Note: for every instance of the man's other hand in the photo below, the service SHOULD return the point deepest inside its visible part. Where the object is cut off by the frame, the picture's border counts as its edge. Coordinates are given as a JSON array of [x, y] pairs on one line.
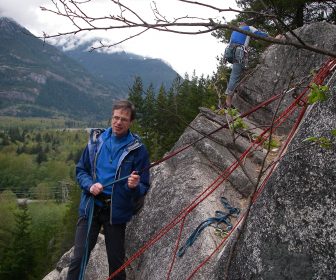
[[133, 180], [96, 188]]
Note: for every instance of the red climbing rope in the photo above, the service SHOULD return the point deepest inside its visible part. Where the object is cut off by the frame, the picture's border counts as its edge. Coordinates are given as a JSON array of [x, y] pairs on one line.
[[211, 188], [319, 78], [174, 153], [181, 215], [329, 66], [245, 213]]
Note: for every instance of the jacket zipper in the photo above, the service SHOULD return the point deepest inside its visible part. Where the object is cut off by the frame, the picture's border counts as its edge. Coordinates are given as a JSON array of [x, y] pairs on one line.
[[118, 176], [134, 146]]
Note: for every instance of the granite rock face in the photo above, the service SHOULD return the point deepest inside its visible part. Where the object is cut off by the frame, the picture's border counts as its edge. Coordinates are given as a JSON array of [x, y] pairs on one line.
[[289, 233], [97, 267], [176, 183], [290, 230]]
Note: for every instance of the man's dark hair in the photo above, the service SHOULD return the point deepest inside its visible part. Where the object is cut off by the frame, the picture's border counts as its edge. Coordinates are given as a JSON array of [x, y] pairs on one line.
[[125, 105]]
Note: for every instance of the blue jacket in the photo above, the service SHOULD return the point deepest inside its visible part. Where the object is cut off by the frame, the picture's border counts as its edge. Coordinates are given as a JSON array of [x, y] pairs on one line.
[[134, 158], [242, 39]]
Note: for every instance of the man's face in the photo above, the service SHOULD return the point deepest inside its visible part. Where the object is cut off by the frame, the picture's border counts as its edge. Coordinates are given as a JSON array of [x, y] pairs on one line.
[[121, 122]]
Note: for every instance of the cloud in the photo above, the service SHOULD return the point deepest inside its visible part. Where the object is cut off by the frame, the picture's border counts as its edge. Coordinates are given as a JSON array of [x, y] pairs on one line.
[[185, 53], [24, 12]]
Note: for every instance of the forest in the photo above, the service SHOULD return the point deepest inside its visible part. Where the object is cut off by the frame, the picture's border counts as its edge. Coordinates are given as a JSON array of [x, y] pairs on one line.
[[37, 169]]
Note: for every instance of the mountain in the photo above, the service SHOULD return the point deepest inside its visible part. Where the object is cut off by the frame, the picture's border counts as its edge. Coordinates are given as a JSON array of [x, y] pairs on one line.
[[36, 79], [121, 68]]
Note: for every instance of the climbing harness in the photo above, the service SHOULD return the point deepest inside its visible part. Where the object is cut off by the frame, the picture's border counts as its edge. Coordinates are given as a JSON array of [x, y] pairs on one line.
[[235, 53], [220, 217]]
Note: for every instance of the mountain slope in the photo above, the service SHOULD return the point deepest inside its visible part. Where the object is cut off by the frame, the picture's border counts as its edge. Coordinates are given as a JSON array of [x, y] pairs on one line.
[[121, 68], [36, 79]]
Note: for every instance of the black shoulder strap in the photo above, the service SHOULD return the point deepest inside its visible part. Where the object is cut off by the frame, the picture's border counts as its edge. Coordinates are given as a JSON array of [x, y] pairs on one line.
[[95, 133]]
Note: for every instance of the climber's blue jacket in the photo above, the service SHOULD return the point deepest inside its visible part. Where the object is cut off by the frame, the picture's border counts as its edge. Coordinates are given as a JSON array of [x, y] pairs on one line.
[[133, 157], [242, 39]]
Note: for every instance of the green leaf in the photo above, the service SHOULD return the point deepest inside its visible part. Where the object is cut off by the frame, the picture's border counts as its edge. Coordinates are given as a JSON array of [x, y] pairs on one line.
[[310, 139], [233, 112], [325, 142], [317, 93], [271, 144]]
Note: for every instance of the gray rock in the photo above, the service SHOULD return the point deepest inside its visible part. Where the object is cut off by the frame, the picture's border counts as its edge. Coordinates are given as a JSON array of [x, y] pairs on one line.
[[97, 267], [289, 232], [175, 184]]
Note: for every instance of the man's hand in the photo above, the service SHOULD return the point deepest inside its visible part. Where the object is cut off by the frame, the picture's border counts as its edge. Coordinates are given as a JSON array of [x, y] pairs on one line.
[[133, 180], [280, 37], [96, 188]]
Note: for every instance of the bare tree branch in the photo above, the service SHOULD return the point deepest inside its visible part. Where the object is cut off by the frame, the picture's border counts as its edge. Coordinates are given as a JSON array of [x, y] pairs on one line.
[[103, 46], [185, 25]]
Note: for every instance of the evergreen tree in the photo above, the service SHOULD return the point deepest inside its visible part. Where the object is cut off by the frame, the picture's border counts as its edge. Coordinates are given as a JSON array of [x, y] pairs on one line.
[[47, 138], [165, 115], [46, 149], [15, 134], [19, 150], [18, 256], [149, 109], [4, 139], [8, 206], [65, 238], [174, 122], [136, 97], [47, 223], [185, 100], [36, 149], [41, 157], [294, 13], [163, 119], [162, 114], [38, 137]]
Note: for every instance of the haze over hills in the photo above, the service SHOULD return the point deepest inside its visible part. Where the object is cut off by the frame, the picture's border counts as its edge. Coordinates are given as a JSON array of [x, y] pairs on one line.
[[39, 80], [121, 68], [36, 79]]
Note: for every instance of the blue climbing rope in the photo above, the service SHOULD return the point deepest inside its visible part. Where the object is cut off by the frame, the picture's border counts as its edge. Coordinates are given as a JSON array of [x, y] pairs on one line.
[[90, 217], [220, 217], [86, 248]]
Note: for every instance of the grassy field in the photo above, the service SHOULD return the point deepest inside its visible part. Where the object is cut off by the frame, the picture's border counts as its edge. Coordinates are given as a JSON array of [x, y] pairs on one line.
[[43, 123]]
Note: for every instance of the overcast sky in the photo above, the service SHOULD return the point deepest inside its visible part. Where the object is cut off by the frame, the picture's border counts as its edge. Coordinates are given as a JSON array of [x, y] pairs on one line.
[[185, 53]]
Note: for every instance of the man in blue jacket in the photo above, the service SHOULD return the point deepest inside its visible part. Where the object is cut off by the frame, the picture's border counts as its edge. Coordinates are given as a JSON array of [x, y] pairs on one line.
[[237, 47], [110, 156]]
